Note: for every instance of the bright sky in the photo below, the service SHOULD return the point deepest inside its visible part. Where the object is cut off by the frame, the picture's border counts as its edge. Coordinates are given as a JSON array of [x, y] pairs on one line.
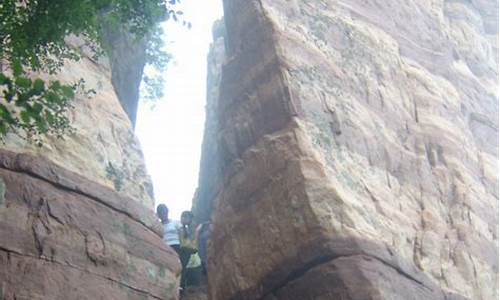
[[171, 133]]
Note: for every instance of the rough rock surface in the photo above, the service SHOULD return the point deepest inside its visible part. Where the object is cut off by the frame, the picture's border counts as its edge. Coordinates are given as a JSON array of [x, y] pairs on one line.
[[210, 176], [76, 216], [357, 146], [66, 237], [104, 147], [126, 77]]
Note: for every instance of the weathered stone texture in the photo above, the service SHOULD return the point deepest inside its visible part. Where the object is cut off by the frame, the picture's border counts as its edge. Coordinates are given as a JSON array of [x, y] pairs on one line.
[[65, 237], [126, 77], [358, 148], [76, 215], [103, 147], [210, 172]]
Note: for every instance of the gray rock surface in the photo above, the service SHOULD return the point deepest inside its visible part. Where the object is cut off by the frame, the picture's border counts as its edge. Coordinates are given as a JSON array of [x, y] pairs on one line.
[[210, 175], [127, 58]]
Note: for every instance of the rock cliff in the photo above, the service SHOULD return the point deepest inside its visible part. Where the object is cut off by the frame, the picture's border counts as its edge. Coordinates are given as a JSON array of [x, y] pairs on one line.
[[210, 176], [76, 215], [354, 151]]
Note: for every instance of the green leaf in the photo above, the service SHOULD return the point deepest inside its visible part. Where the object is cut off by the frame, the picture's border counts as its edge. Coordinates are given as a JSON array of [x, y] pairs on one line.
[[51, 97], [17, 68], [38, 86], [25, 117], [68, 91], [5, 114], [3, 128], [23, 82], [55, 85], [34, 39], [3, 79], [22, 99], [50, 118], [37, 108], [40, 124]]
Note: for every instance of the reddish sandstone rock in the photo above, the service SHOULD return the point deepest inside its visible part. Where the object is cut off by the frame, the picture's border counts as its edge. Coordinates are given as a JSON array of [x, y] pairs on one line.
[[357, 147], [65, 237], [76, 215]]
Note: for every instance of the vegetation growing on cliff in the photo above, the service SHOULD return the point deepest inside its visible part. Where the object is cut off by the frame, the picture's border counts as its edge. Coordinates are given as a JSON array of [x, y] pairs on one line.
[[32, 39]]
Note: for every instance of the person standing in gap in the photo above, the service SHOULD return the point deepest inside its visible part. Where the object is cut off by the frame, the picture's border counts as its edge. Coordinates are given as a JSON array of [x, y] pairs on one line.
[[191, 264], [170, 228]]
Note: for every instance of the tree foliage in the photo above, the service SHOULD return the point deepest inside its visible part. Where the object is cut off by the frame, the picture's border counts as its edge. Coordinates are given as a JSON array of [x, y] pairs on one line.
[[32, 37]]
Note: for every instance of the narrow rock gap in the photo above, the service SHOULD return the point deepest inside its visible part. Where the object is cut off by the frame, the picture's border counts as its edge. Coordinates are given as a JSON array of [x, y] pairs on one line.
[[171, 132], [291, 173]]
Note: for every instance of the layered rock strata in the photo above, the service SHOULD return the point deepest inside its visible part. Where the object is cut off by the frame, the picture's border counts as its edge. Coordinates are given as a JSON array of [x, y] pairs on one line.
[[357, 146], [67, 237], [76, 215]]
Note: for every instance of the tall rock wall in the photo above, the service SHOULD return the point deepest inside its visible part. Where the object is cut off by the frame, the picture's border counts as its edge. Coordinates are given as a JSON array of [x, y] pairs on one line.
[[210, 178], [76, 215], [357, 151]]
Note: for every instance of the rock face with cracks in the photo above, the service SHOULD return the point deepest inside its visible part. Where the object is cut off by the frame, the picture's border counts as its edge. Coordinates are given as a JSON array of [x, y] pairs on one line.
[[76, 215], [356, 151]]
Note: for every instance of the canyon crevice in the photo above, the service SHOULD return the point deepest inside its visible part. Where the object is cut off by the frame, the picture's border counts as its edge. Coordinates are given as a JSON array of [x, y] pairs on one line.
[[350, 152]]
